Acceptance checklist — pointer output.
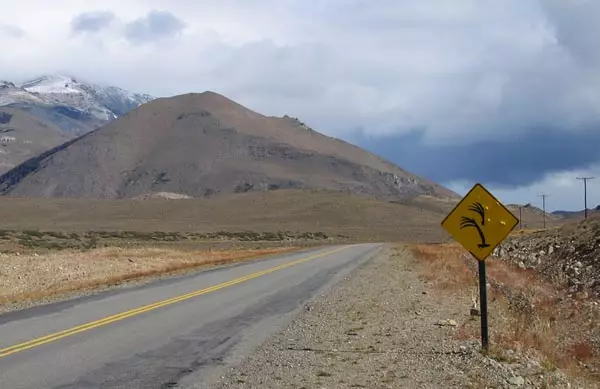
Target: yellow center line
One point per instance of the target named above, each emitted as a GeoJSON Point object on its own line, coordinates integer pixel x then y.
{"type": "Point", "coordinates": [150, 307]}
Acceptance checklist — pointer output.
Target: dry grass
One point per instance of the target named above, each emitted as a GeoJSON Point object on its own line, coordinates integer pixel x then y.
{"type": "Point", "coordinates": [526, 314]}
{"type": "Point", "coordinates": [359, 218]}
{"type": "Point", "coordinates": [34, 277]}
{"type": "Point", "coordinates": [528, 231]}
{"type": "Point", "coordinates": [445, 274]}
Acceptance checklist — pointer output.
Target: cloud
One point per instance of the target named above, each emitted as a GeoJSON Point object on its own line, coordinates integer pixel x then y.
{"type": "Point", "coordinates": [156, 25]}
{"type": "Point", "coordinates": [564, 191]}
{"type": "Point", "coordinates": [430, 84]}
{"type": "Point", "coordinates": [576, 28]}
{"type": "Point", "coordinates": [525, 160]}
{"type": "Point", "coordinates": [92, 21]}
{"type": "Point", "coordinates": [12, 31]}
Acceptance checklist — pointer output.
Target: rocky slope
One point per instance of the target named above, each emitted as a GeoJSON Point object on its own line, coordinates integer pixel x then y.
{"type": "Point", "coordinates": [568, 256]}
{"type": "Point", "coordinates": [204, 144]}
{"type": "Point", "coordinates": [45, 112]}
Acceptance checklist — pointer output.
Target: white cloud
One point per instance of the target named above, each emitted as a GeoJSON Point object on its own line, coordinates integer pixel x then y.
{"type": "Point", "coordinates": [461, 71]}
{"type": "Point", "coordinates": [11, 31]}
{"type": "Point", "coordinates": [93, 21]}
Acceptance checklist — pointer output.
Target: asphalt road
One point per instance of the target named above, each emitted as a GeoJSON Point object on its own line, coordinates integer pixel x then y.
{"type": "Point", "coordinates": [174, 333]}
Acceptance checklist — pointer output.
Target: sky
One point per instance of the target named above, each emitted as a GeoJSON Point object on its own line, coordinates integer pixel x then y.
{"type": "Point", "coordinates": [505, 93]}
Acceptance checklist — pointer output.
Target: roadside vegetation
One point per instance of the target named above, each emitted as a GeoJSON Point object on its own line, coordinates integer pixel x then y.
{"type": "Point", "coordinates": [529, 317]}
{"type": "Point", "coordinates": [18, 241]}
{"type": "Point", "coordinates": [39, 266]}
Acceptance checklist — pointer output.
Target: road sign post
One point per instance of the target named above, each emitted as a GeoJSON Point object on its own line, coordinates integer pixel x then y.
{"type": "Point", "coordinates": [479, 222]}
{"type": "Point", "coordinates": [483, 306]}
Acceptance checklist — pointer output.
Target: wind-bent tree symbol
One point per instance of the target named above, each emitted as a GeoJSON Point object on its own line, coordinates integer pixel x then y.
{"type": "Point", "coordinates": [466, 222]}
{"type": "Point", "coordinates": [478, 208]}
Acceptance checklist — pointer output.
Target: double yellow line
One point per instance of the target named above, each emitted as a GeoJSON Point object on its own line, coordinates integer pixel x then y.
{"type": "Point", "coordinates": [147, 308]}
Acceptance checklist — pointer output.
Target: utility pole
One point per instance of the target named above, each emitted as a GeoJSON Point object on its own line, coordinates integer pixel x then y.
{"type": "Point", "coordinates": [585, 180]}
{"type": "Point", "coordinates": [543, 196]}
{"type": "Point", "coordinates": [520, 218]}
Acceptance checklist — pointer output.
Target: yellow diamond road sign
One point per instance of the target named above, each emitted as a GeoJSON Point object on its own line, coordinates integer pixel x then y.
{"type": "Point", "coordinates": [479, 222]}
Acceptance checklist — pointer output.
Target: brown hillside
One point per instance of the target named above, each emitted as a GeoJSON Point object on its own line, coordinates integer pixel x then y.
{"type": "Point", "coordinates": [203, 144]}
{"type": "Point", "coordinates": [24, 136]}
{"type": "Point", "coordinates": [532, 218]}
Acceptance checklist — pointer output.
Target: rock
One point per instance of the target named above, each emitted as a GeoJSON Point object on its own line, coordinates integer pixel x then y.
{"type": "Point", "coordinates": [516, 381]}
{"type": "Point", "coordinates": [446, 323]}
{"type": "Point", "coordinates": [550, 249]}
{"type": "Point", "coordinates": [578, 264]}
{"type": "Point", "coordinates": [542, 252]}
{"type": "Point", "coordinates": [521, 265]}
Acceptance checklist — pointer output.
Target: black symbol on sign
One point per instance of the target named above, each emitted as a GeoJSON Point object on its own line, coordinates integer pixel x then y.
{"type": "Point", "coordinates": [478, 208]}
{"type": "Point", "coordinates": [466, 222]}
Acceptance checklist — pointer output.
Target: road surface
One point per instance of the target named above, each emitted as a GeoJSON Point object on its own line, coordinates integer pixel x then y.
{"type": "Point", "coordinates": [174, 333]}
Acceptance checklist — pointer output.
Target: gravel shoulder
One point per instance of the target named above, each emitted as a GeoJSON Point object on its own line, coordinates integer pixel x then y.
{"type": "Point", "coordinates": [386, 326]}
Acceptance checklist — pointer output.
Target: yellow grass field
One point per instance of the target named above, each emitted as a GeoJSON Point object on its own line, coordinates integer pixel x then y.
{"type": "Point", "coordinates": [35, 276]}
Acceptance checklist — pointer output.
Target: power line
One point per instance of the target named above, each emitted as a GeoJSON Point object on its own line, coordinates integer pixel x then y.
{"type": "Point", "coordinates": [585, 180]}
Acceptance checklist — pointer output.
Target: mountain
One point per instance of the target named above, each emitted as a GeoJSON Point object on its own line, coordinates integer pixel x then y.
{"type": "Point", "coordinates": [71, 97]}
{"type": "Point", "coordinates": [532, 217]}
{"type": "Point", "coordinates": [204, 144]}
{"type": "Point", "coordinates": [39, 114]}
{"type": "Point", "coordinates": [577, 214]}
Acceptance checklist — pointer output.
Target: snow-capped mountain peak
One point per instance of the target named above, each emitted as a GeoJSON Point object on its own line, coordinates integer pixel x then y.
{"type": "Point", "coordinates": [41, 113]}
{"type": "Point", "coordinates": [101, 102]}
{"type": "Point", "coordinates": [6, 85]}
{"type": "Point", "coordinates": [52, 84]}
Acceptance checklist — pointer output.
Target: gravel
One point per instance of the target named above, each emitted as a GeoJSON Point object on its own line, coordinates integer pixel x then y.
{"type": "Point", "coordinates": [385, 327]}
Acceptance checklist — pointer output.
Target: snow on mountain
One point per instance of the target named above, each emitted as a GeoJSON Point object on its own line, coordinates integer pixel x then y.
{"type": "Point", "coordinates": [52, 85]}
{"type": "Point", "coordinates": [11, 94]}
{"type": "Point", "coordinates": [102, 102]}
{"type": "Point", "coordinates": [6, 84]}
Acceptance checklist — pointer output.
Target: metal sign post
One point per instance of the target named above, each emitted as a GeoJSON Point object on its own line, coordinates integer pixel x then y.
{"type": "Point", "coordinates": [483, 306]}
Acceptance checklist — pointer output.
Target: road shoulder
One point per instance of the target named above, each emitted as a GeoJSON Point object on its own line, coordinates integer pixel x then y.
{"type": "Point", "coordinates": [384, 327]}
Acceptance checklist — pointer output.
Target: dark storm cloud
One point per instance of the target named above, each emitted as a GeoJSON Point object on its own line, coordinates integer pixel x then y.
{"type": "Point", "coordinates": [156, 25]}
{"type": "Point", "coordinates": [521, 162]}
{"type": "Point", "coordinates": [92, 21]}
